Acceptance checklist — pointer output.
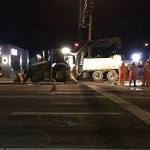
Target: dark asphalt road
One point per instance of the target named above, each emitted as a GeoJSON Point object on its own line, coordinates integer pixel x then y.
{"type": "Point", "coordinates": [86, 115]}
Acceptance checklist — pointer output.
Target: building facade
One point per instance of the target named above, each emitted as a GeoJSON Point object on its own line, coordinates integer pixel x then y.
{"type": "Point", "coordinates": [12, 60]}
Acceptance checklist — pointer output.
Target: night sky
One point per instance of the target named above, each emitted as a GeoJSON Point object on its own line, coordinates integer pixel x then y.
{"type": "Point", "coordinates": [40, 24]}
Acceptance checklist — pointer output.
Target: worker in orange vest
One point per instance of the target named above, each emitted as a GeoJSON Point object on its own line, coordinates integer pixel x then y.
{"type": "Point", "coordinates": [122, 74]}
{"type": "Point", "coordinates": [132, 73]}
{"type": "Point", "coordinates": [146, 73]}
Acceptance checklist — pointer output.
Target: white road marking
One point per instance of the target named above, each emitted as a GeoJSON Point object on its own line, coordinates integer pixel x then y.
{"type": "Point", "coordinates": [136, 97]}
{"type": "Point", "coordinates": [55, 96]}
{"type": "Point", "coordinates": [47, 90]}
{"type": "Point", "coordinates": [65, 113]}
{"type": "Point", "coordinates": [145, 93]}
{"type": "Point", "coordinates": [135, 110]}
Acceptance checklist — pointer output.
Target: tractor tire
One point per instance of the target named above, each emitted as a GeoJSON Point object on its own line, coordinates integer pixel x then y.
{"type": "Point", "coordinates": [112, 76]}
{"type": "Point", "coordinates": [97, 76]}
{"type": "Point", "coordinates": [61, 74]}
{"type": "Point", "coordinates": [36, 76]}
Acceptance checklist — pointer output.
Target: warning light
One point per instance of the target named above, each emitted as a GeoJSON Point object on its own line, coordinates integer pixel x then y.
{"type": "Point", "coordinates": [76, 44]}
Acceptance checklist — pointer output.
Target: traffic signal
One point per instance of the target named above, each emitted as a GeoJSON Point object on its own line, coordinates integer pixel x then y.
{"type": "Point", "coordinates": [76, 45]}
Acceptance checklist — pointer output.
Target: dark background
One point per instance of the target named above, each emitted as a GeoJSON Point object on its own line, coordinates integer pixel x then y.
{"type": "Point", "coordinates": [40, 24]}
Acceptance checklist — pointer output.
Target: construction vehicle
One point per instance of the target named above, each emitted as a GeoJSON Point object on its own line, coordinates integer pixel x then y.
{"type": "Point", "coordinates": [54, 68]}
{"type": "Point", "coordinates": [99, 66]}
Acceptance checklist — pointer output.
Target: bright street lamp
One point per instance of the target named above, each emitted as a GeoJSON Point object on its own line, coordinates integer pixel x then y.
{"type": "Point", "coordinates": [65, 50]}
{"type": "Point", "coordinates": [136, 57]}
{"type": "Point", "coordinates": [146, 44]}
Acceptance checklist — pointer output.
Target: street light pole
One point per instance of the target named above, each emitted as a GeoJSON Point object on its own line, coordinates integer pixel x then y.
{"type": "Point", "coordinates": [90, 33]}
{"type": "Point", "coordinates": [86, 18]}
{"type": "Point", "coordinates": [90, 28]}
{"type": "Point", "coordinates": [43, 55]}
{"type": "Point", "coordinates": [50, 59]}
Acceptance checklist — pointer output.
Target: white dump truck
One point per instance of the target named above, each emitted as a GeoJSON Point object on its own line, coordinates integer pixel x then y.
{"type": "Point", "coordinates": [103, 67]}
{"type": "Point", "coordinates": [97, 67]}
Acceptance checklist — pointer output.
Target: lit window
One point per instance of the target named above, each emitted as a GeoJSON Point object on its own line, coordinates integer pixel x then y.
{"type": "Point", "coordinates": [14, 52]}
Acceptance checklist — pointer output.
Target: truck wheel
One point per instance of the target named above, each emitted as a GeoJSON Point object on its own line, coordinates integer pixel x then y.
{"type": "Point", "coordinates": [112, 76]}
{"type": "Point", "coordinates": [61, 74]}
{"type": "Point", "coordinates": [97, 76]}
{"type": "Point", "coordinates": [36, 77]}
